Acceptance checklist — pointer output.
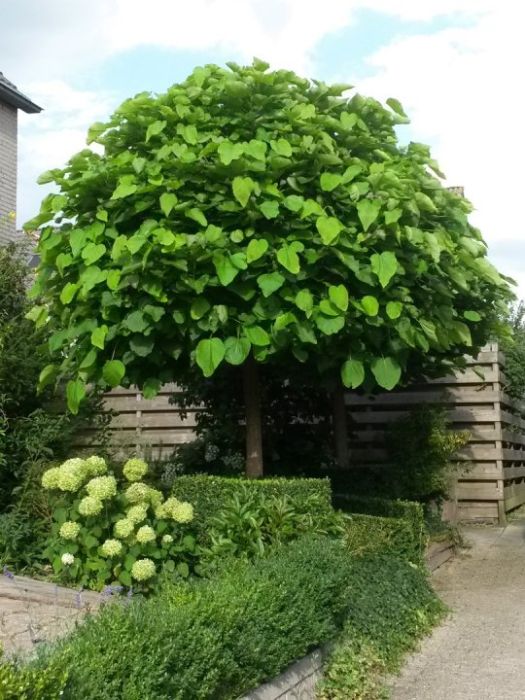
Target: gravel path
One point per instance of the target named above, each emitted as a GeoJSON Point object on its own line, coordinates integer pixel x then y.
{"type": "Point", "coordinates": [479, 652]}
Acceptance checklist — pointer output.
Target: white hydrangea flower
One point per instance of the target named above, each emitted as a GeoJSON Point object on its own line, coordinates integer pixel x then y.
{"type": "Point", "coordinates": [137, 514]}
{"type": "Point", "coordinates": [50, 478]}
{"type": "Point", "coordinates": [145, 534]}
{"type": "Point", "coordinates": [167, 539]}
{"type": "Point", "coordinates": [69, 530]}
{"type": "Point", "coordinates": [102, 487]}
{"type": "Point", "coordinates": [135, 469]}
{"type": "Point", "coordinates": [124, 528]}
{"type": "Point", "coordinates": [143, 569]}
{"type": "Point", "coordinates": [96, 466]}
{"type": "Point", "coordinates": [111, 548]}
{"type": "Point", "coordinates": [90, 505]}
{"type": "Point", "coordinates": [137, 492]}
{"type": "Point", "coordinates": [67, 559]}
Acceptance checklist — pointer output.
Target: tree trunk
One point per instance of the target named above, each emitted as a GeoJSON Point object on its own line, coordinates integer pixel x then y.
{"type": "Point", "coordinates": [252, 403]}
{"type": "Point", "coordinates": [340, 425]}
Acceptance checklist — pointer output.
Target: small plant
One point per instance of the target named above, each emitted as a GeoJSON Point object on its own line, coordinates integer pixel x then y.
{"type": "Point", "coordinates": [115, 529]}
{"type": "Point", "coordinates": [250, 522]}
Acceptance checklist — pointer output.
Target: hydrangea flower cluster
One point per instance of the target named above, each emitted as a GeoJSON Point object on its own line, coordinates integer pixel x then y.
{"type": "Point", "coordinates": [143, 569]}
{"type": "Point", "coordinates": [69, 530]}
{"type": "Point", "coordinates": [112, 520]}
{"type": "Point", "coordinates": [102, 487]}
{"type": "Point", "coordinates": [135, 469]}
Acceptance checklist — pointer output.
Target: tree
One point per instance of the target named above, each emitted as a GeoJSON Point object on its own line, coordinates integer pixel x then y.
{"type": "Point", "coordinates": [248, 216]}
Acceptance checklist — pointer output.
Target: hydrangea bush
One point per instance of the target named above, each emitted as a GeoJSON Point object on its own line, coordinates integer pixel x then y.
{"type": "Point", "coordinates": [114, 528]}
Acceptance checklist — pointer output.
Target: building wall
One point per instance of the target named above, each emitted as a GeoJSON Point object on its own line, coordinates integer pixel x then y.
{"type": "Point", "coordinates": [8, 174]}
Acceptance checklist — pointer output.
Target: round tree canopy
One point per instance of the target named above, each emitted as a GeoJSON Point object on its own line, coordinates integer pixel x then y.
{"type": "Point", "coordinates": [248, 212]}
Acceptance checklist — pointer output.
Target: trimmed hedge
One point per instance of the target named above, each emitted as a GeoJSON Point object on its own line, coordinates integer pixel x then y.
{"type": "Point", "coordinates": [209, 494]}
{"type": "Point", "coordinates": [408, 511]}
{"type": "Point", "coordinates": [212, 639]}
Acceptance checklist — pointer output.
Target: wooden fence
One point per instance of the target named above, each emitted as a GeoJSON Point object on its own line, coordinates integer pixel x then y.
{"type": "Point", "coordinates": [491, 478]}
{"type": "Point", "coordinates": [491, 474]}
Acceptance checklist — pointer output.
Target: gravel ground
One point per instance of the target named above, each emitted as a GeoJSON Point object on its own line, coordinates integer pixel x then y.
{"type": "Point", "coordinates": [479, 652]}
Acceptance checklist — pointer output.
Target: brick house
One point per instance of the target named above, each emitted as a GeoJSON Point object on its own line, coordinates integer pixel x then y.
{"type": "Point", "coordinates": [11, 100]}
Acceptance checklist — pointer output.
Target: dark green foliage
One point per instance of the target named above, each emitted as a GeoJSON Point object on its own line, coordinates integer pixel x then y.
{"type": "Point", "coordinates": [391, 605]}
{"type": "Point", "coordinates": [22, 683]}
{"type": "Point", "coordinates": [514, 350]}
{"type": "Point", "coordinates": [209, 494]}
{"type": "Point", "coordinates": [421, 448]}
{"type": "Point", "coordinates": [214, 639]}
{"type": "Point", "coordinates": [32, 427]}
{"type": "Point", "coordinates": [251, 521]}
{"type": "Point", "coordinates": [410, 512]}
{"type": "Point", "coordinates": [296, 418]}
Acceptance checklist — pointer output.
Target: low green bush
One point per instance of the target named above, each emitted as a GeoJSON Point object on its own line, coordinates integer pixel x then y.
{"type": "Point", "coordinates": [22, 683]}
{"type": "Point", "coordinates": [210, 494]}
{"type": "Point", "coordinates": [410, 512]}
{"type": "Point", "coordinates": [214, 639]}
{"type": "Point", "coordinates": [371, 533]}
{"type": "Point", "coordinates": [391, 606]}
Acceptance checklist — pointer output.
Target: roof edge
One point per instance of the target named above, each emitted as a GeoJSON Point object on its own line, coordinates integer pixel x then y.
{"type": "Point", "coordinates": [16, 99]}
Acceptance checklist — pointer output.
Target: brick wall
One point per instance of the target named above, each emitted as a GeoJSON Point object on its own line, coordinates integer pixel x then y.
{"type": "Point", "coordinates": [8, 158]}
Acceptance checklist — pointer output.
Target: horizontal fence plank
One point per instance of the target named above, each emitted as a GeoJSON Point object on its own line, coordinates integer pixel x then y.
{"type": "Point", "coordinates": [479, 490]}
{"type": "Point", "coordinates": [481, 510]}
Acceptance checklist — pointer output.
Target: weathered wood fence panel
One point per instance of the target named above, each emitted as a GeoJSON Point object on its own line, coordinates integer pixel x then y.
{"type": "Point", "coordinates": [491, 480]}
{"type": "Point", "coordinates": [491, 474]}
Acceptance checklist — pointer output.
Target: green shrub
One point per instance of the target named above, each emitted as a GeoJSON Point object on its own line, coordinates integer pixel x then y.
{"type": "Point", "coordinates": [209, 494]}
{"type": "Point", "coordinates": [410, 512]}
{"type": "Point", "coordinates": [213, 639]}
{"type": "Point", "coordinates": [251, 521]}
{"type": "Point", "coordinates": [115, 529]}
{"type": "Point", "coordinates": [371, 533]}
{"type": "Point", "coordinates": [22, 683]}
{"type": "Point", "coordinates": [391, 605]}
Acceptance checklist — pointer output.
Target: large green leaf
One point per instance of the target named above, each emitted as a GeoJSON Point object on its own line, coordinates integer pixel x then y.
{"type": "Point", "coordinates": [242, 188]}
{"type": "Point", "coordinates": [197, 215]}
{"type": "Point", "coordinates": [141, 345]}
{"type": "Point", "coordinates": [368, 211]}
{"type": "Point", "coordinates": [270, 209]}
{"type": "Point", "coordinates": [236, 350]}
{"type": "Point", "coordinates": [209, 355]}
{"type": "Point", "coordinates": [339, 296]}
{"type": "Point", "coordinates": [329, 181]}
{"type": "Point", "coordinates": [199, 308]}
{"type": "Point", "coordinates": [329, 325]}
{"type": "Point", "coordinates": [167, 201]}
{"type": "Point", "coordinates": [304, 301]}
{"type": "Point", "coordinates": [394, 309]}
{"type": "Point", "coordinates": [386, 371]}
{"type": "Point", "coordinates": [136, 322]}
{"type": "Point", "coordinates": [370, 305]}
{"type": "Point", "coordinates": [155, 128]}
{"type": "Point", "coordinates": [472, 316]}
{"type": "Point", "coordinates": [353, 373]}
{"type": "Point", "coordinates": [68, 292]}
{"type": "Point", "coordinates": [151, 388]}
{"type": "Point", "coordinates": [288, 258]}
{"type": "Point", "coordinates": [257, 247]}
{"type": "Point", "coordinates": [226, 270]}
{"type": "Point", "coordinates": [270, 282]}
{"type": "Point", "coordinates": [229, 151]}
{"type": "Point", "coordinates": [257, 335]}
{"type": "Point", "coordinates": [329, 228]}
{"type": "Point", "coordinates": [384, 266]}
{"type": "Point", "coordinates": [98, 336]}
{"type": "Point", "coordinates": [93, 252]}
{"type": "Point", "coordinates": [113, 372]}
{"type": "Point", "coordinates": [75, 392]}
{"type": "Point", "coordinates": [126, 187]}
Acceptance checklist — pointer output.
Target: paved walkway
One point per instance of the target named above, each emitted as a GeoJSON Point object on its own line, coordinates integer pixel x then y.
{"type": "Point", "coordinates": [479, 652]}
{"type": "Point", "coordinates": [33, 611]}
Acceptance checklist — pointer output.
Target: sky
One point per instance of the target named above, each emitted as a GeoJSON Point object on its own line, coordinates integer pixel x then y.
{"type": "Point", "coordinates": [456, 65]}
